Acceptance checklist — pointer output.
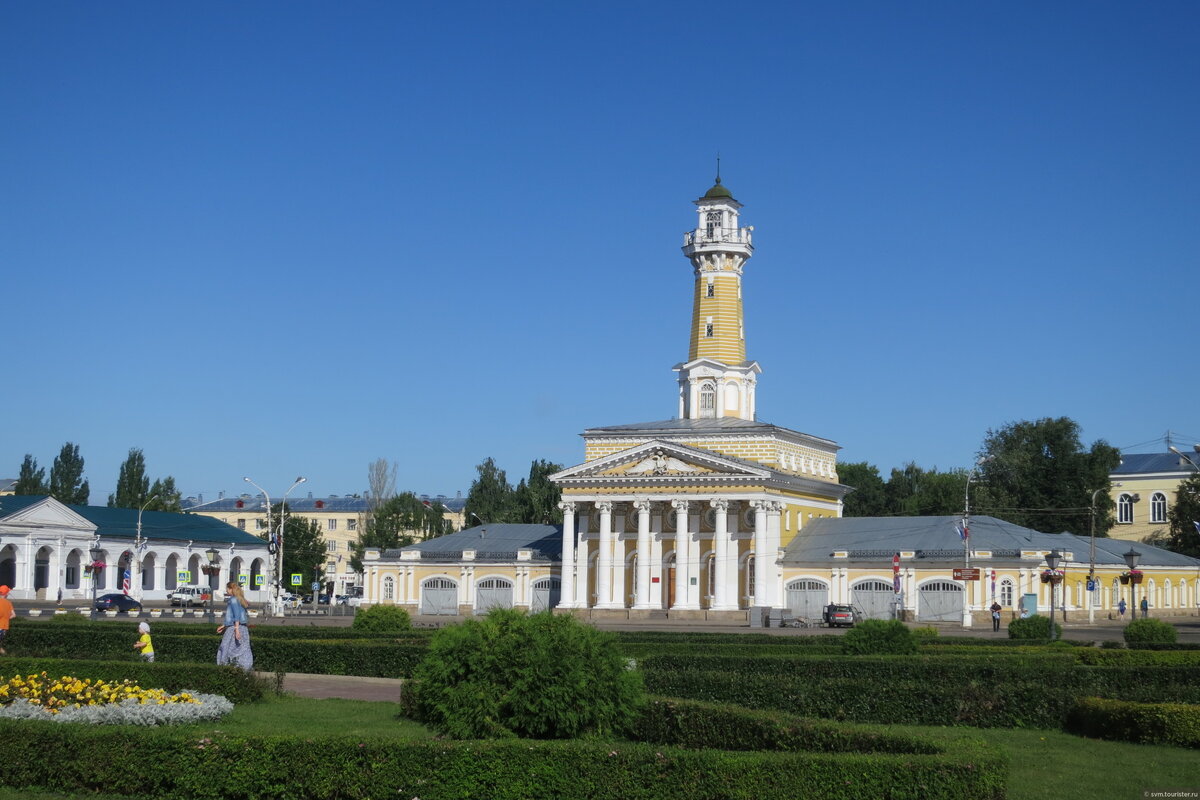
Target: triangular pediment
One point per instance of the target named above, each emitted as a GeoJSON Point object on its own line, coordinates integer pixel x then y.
{"type": "Point", "coordinates": [656, 460]}
{"type": "Point", "coordinates": [48, 513]}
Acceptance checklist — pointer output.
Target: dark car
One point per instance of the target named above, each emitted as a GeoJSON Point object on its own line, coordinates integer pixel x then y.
{"type": "Point", "coordinates": [837, 615]}
{"type": "Point", "coordinates": [117, 602]}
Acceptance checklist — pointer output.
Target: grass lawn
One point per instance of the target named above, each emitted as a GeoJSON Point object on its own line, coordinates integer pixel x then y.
{"type": "Point", "coordinates": [275, 715]}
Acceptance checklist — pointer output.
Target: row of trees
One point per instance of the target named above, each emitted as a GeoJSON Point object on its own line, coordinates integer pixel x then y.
{"type": "Point", "coordinates": [493, 499]}
{"type": "Point", "coordinates": [1036, 474]}
{"type": "Point", "coordinates": [67, 484]}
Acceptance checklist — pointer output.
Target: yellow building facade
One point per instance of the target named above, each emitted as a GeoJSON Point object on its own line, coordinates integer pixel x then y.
{"type": "Point", "coordinates": [1145, 487]}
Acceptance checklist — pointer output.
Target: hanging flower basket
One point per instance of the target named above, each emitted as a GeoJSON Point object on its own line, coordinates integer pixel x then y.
{"type": "Point", "coordinates": [1124, 578]}
{"type": "Point", "coordinates": [97, 566]}
{"type": "Point", "coordinates": [1135, 577]}
{"type": "Point", "coordinates": [1052, 576]}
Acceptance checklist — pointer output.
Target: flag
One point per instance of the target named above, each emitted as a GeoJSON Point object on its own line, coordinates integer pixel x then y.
{"type": "Point", "coordinates": [125, 583]}
{"type": "Point", "coordinates": [964, 533]}
{"type": "Point", "coordinates": [273, 544]}
{"type": "Point", "coordinates": [1197, 524]}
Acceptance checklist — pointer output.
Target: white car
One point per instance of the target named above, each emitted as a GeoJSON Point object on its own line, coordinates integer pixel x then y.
{"type": "Point", "coordinates": [190, 596]}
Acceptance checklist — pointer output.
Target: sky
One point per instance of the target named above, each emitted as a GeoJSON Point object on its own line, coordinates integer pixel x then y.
{"type": "Point", "coordinates": [273, 239]}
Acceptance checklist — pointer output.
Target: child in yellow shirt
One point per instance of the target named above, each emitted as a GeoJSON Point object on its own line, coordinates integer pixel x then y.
{"type": "Point", "coordinates": [143, 643]}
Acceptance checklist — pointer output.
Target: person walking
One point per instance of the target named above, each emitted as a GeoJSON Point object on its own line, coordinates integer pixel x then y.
{"type": "Point", "coordinates": [235, 639]}
{"type": "Point", "coordinates": [996, 608]}
{"type": "Point", "coordinates": [143, 643]}
{"type": "Point", "coordinates": [1145, 607]}
{"type": "Point", "coordinates": [1121, 608]}
{"type": "Point", "coordinates": [7, 612]}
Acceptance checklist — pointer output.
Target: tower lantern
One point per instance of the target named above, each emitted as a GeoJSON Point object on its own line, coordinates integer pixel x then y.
{"type": "Point", "coordinates": [717, 380]}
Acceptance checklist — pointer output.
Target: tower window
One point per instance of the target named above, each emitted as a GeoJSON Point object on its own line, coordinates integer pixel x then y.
{"type": "Point", "coordinates": [708, 400]}
{"type": "Point", "coordinates": [712, 288]}
{"type": "Point", "coordinates": [708, 329]}
{"type": "Point", "coordinates": [712, 224]}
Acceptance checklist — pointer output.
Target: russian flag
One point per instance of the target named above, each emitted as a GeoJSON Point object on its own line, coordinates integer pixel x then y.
{"type": "Point", "coordinates": [1197, 524]}
{"type": "Point", "coordinates": [963, 532]}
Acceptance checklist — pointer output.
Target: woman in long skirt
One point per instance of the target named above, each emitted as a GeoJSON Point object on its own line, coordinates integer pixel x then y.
{"type": "Point", "coordinates": [235, 641]}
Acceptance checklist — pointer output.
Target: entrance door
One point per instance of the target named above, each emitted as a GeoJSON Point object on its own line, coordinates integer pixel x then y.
{"type": "Point", "coordinates": [670, 587]}
{"type": "Point", "coordinates": [874, 598]}
{"type": "Point", "coordinates": [493, 593]}
{"type": "Point", "coordinates": [940, 601]}
{"type": "Point", "coordinates": [439, 596]}
{"type": "Point", "coordinates": [807, 599]}
{"type": "Point", "coordinates": [545, 594]}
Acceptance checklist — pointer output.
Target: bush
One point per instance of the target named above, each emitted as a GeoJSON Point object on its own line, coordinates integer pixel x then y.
{"type": "Point", "coordinates": [1110, 644]}
{"type": "Point", "coordinates": [874, 637]}
{"type": "Point", "coordinates": [542, 676]}
{"type": "Point", "coordinates": [382, 619]}
{"type": "Point", "coordinates": [924, 634]}
{"type": "Point", "coordinates": [1035, 627]}
{"type": "Point", "coordinates": [1149, 631]}
{"type": "Point", "coordinates": [1143, 723]}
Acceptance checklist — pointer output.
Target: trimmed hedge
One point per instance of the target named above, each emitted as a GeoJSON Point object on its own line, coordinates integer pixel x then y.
{"type": "Point", "coordinates": [1142, 723]}
{"type": "Point", "coordinates": [236, 685]}
{"type": "Point", "coordinates": [1150, 631]}
{"type": "Point", "coordinates": [154, 763]}
{"type": "Point", "coordinates": [687, 723]}
{"type": "Point", "coordinates": [169, 625]}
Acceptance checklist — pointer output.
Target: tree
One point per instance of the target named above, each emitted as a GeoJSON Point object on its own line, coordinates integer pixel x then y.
{"type": "Point", "coordinates": [1183, 536]}
{"type": "Point", "coordinates": [1038, 474]}
{"type": "Point", "coordinates": [133, 487]}
{"type": "Point", "coordinates": [868, 498]}
{"type": "Point", "coordinates": [31, 480]}
{"type": "Point", "coordinates": [381, 482]}
{"type": "Point", "coordinates": [166, 496]}
{"type": "Point", "coordinates": [304, 549]}
{"type": "Point", "coordinates": [536, 500]}
{"type": "Point", "coordinates": [915, 491]}
{"type": "Point", "coordinates": [490, 498]}
{"type": "Point", "coordinates": [67, 484]}
{"type": "Point", "coordinates": [397, 523]}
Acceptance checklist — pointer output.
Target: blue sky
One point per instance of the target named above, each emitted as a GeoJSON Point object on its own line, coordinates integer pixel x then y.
{"type": "Point", "coordinates": [280, 239]}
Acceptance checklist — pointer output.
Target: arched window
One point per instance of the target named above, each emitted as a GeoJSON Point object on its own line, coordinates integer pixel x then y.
{"type": "Point", "coordinates": [711, 566]}
{"type": "Point", "coordinates": [750, 576]}
{"type": "Point", "coordinates": [1116, 593]}
{"type": "Point", "coordinates": [1167, 594]}
{"type": "Point", "coordinates": [1006, 593]}
{"type": "Point", "coordinates": [389, 588]}
{"type": "Point", "coordinates": [708, 400]}
{"type": "Point", "coordinates": [1158, 507]}
{"type": "Point", "coordinates": [1125, 509]}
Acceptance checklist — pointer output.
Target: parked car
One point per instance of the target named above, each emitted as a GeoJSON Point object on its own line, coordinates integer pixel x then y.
{"type": "Point", "coordinates": [838, 615]}
{"type": "Point", "coordinates": [190, 596]}
{"type": "Point", "coordinates": [120, 602]}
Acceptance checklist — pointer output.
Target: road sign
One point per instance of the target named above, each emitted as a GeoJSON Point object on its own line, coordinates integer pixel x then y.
{"type": "Point", "coordinates": [896, 564]}
{"type": "Point", "coordinates": [297, 579]}
{"type": "Point", "coordinates": [966, 574]}
{"type": "Point", "coordinates": [1091, 585]}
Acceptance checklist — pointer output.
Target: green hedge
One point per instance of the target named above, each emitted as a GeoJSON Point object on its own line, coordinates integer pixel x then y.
{"type": "Point", "coordinates": [260, 628]}
{"type": "Point", "coordinates": [238, 686]}
{"type": "Point", "coordinates": [1143, 723]}
{"type": "Point", "coordinates": [687, 723]}
{"type": "Point", "coordinates": [165, 763]}
{"type": "Point", "coordinates": [922, 691]}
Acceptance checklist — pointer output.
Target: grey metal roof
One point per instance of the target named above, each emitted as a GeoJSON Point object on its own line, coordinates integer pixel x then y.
{"type": "Point", "coordinates": [701, 426]}
{"type": "Point", "coordinates": [302, 505]}
{"type": "Point", "coordinates": [1136, 463]}
{"type": "Point", "coordinates": [935, 539]}
{"type": "Point", "coordinates": [498, 540]}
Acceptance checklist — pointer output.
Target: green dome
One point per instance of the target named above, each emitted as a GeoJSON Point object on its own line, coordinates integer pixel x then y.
{"type": "Point", "coordinates": [718, 191]}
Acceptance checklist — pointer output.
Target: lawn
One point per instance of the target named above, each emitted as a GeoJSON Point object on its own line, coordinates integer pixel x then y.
{"type": "Point", "coordinates": [277, 715]}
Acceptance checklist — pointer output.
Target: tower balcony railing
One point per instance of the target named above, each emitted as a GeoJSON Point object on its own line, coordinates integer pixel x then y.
{"type": "Point", "coordinates": [718, 236]}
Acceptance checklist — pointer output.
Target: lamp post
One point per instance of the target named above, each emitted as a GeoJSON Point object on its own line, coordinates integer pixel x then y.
{"type": "Point", "coordinates": [1131, 558]}
{"type": "Point", "coordinates": [1052, 560]}
{"type": "Point", "coordinates": [95, 553]}
{"type": "Point", "coordinates": [210, 569]}
{"type": "Point", "coordinates": [1092, 559]}
{"type": "Point", "coordinates": [279, 540]}
{"type": "Point", "coordinates": [137, 550]}
{"type": "Point", "coordinates": [966, 535]}
{"type": "Point", "coordinates": [1182, 455]}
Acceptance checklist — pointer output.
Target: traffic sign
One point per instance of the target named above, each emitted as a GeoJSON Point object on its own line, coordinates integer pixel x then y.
{"type": "Point", "coordinates": [966, 574]}
{"type": "Point", "coordinates": [297, 579]}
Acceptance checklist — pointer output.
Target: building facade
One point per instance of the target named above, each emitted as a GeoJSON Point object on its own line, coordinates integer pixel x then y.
{"type": "Point", "coordinates": [1144, 487]}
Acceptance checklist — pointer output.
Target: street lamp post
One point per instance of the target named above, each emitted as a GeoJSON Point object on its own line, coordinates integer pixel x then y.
{"type": "Point", "coordinates": [279, 539]}
{"type": "Point", "coordinates": [1092, 560]}
{"type": "Point", "coordinates": [211, 569]}
{"type": "Point", "coordinates": [1185, 457]}
{"type": "Point", "coordinates": [966, 536]}
{"type": "Point", "coordinates": [1052, 560]}
{"type": "Point", "coordinates": [95, 553]}
{"type": "Point", "coordinates": [137, 550]}
{"type": "Point", "coordinates": [1131, 558]}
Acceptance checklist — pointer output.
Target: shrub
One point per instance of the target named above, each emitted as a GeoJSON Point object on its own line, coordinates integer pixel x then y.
{"type": "Point", "coordinates": [924, 634]}
{"type": "Point", "coordinates": [382, 619]}
{"type": "Point", "coordinates": [1035, 627]}
{"type": "Point", "coordinates": [1110, 644]}
{"type": "Point", "coordinates": [1151, 631]}
{"type": "Point", "coordinates": [542, 676]}
{"type": "Point", "coordinates": [1145, 723]}
{"type": "Point", "coordinates": [879, 637]}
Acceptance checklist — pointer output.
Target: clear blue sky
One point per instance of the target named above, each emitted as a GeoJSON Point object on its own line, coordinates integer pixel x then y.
{"type": "Point", "coordinates": [289, 238]}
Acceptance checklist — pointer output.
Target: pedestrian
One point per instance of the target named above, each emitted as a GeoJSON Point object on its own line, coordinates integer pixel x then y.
{"type": "Point", "coordinates": [1121, 608]}
{"type": "Point", "coordinates": [143, 643]}
{"type": "Point", "coordinates": [1145, 606]}
{"type": "Point", "coordinates": [996, 609]}
{"type": "Point", "coordinates": [7, 612]}
{"type": "Point", "coordinates": [235, 640]}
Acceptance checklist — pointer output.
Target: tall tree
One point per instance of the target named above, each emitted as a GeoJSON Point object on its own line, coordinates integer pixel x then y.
{"type": "Point", "coordinates": [67, 484]}
{"type": "Point", "coordinates": [868, 498]}
{"type": "Point", "coordinates": [396, 523]}
{"type": "Point", "coordinates": [304, 550]}
{"type": "Point", "coordinates": [381, 483]}
{"type": "Point", "coordinates": [536, 499]}
{"type": "Point", "coordinates": [133, 487]}
{"type": "Point", "coordinates": [31, 480]}
{"type": "Point", "coordinates": [166, 496]}
{"type": "Point", "coordinates": [1182, 536]}
{"type": "Point", "coordinates": [490, 498]}
{"type": "Point", "coordinates": [1038, 474]}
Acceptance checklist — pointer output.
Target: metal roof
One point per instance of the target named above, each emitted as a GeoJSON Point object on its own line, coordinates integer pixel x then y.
{"type": "Point", "coordinates": [1136, 463]}
{"type": "Point", "coordinates": [122, 522]}
{"type": "Point", "coordinates": [935, 539]}
{"type": "Point", "coordinates": [708, 425]}
{"type": "Point", "coordinates": [303, 505]}
{"type": "Point", "coordinates": [494, 541]}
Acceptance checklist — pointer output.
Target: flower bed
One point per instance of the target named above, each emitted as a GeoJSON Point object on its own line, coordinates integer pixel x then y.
{"type": "Point", "coordinates": [69, 699]}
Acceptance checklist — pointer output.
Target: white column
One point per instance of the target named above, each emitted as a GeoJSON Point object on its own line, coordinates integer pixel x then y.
{"type": "Point", "coordinates": [643, 554]}
{"type": "Point", "coordinates": [762, 554]}
{"type": "Point", "coordinates": [581, 572]}
{"type": "Point", "coordinates": [721, 547]}
{"type": "Point", "coordinates": [567, 579]}
{"type": "Point", "coordinates": [604, 563]}
{"type": "Point", "coordinates": [774, 538]}
{"type": "Point", "coordinates": [682, 552]}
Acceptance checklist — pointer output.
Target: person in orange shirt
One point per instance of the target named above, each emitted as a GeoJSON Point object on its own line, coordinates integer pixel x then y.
{"type": "Point", "coordinates": [7, 612]}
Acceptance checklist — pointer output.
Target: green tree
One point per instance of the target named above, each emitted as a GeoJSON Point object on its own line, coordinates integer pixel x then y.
{"type": "Point", "coordinates": [915, 491]}
{"type": "Point", "coordinates": [304, 550]}
{"type": "Point", "coordinates": [1182, 535]}
{"type": "Point", "coordinates": [133, 487]}
{"type": "Point", "coordinates": [1039, 475]}
{"type": "Point", "coordinates": [31, 480]}
{"type": "Point", "coordinates": [166, 496]}
{"type": "Point", "coordinates": [536, 499]}
{"type": "Point", "coordinates": [67, 484]}
{"type": "Point", "coordinates": [868, 498]}
{"type": "Point", "coordinates": [490, 498]}
{"type": "Point", "coordinates": [397, 523]}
